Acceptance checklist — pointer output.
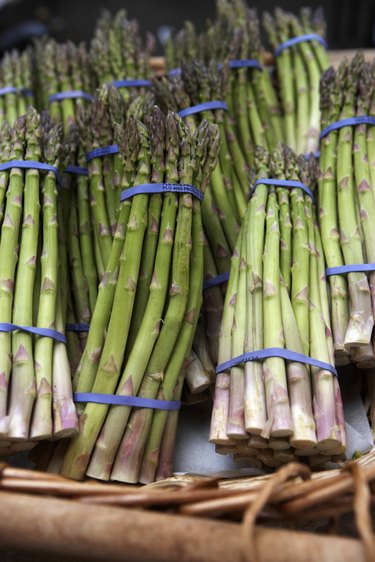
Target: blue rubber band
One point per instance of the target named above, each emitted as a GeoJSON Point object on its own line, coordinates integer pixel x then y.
{"type": "Point", "coordinates": [102, 151]}
{"type": "Point", "coordinates": [275, 352]}
{"type": "Point", "coordinates": [161, 188]}
{"type": "Point", "coordinates": [15, 90]}
{"type": "Point", "coordinates": [214, 281]}
{"type": "Point", "coordinates": [206, 106]}
{"type": "Point", "coordinates": [291, 184]}
{"type": "Point", "coordinates": [47, 332]}
{"type": "Point", "coordinates": [300, 39]}
{"type": "Point", "coordinates": [131, 83]}
{"type": "Point", "coordinates": [76, 170]}
{"type": "Point", "coordinates": [69, 95]}
{"type": "Point", "coordinates": [80, 327]}
{"type": "Point", "coordinates": [349, 122]}
{"type": "Point", "coordinates": [245, 63]}
{"type": "Point", "coordinates": [30, 165]}
{"type": "Point", "coordinates": [174, 71]}
{"type": "Point", "coordinates": [353, 268]}
{"type": "Point", "coordinates": [136, 401]}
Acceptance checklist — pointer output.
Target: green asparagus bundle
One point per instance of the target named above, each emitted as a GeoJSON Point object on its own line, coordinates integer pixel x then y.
{"type": "Point", "coordinates": [36, 394]}
{"type": "Point", "coordinates": [16, 84]}
{"type": "Point", "coordinates": [252, 96]}
{"type": "Point", "coordinates": [298, 67]}
{"type": "Point", "coordinates": [271, 405]}
{"type": "Point", "coordinates": [141, 334]}
{"type": "Point", "coordinates": [232, 40]}
{"type": "Point", "coordinates": [347, 206]}
{"type": "Point", "coordinates": [120, 56]}
{"type": "Point", "coordinates": [64, 80]}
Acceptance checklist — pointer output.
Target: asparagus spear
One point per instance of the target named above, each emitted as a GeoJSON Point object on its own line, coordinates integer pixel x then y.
{"type": "Point", "coordinates": [9, 256]}
{"type": "Point", "coordinates": [279, 422]}
{"type": "Point", "coordinates": [23, 387]}
{"type": "Point", "coordinates": [361, 317]}
{"type": "Point", "coordinates": [41, 426]}
{"type": "Point", "coordinates": [254, 397]}
{"type": "Point", "coordinates": [330, 104]}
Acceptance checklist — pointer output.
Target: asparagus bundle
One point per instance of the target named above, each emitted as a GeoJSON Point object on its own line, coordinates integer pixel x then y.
{"type": "Point", "coordinates": [271, 405]}
{"type": "Point", "coordinates": [16, 84]}
{"type": "Point", "coordinates": [298, 70]}
{"type": "Point", "coordinates": [140, 335]}
{"type": "Point", "coordinates": [36, 394]}
{"type": "Point", "coordinates": [119, 55]}
{"type": "Point", "coordinates": [234, 38]}
{"type": "Point", "coordinates": [347, 206]}
{"type": "Point", "coordinates": [64, 80]}
{"type": "Point", "coordinates": [251, 96]}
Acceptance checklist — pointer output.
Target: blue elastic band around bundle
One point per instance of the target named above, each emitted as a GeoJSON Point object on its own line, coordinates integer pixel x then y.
{"type": "Point", "coordinates": [349, 122]}
{"type": "Point", "coordinates": [30, 165]}
{"type": "Point", "coordinates": [291, 184]}
{"type": "Point", "coordinates": [275, 352]}
{"type": "Point", "coordinates": [69, 95]}
{"type": "Point", "coordinates": [15, 90]}
{"type": "Point", "coordinates": [205, 106]}
{"type": "Point", "coordinates": [80, 327]}
{"type": "Point", "coordinates": [300, 39]}
{"type": "Point", "coordinates": [136, 401]}
{"type": "Point", "coordinates": [47, 332]}
{"type": "Point", "coordinates": [131, 83]}
{"type": "Point", "coordinates": [151, 188]}
{"type": "Point", "coordinates": [214, 281]}
{"type": "Point", "coordinates": [353, 268]}
{"type": "Point", "coordinates": [76, 170]}
{"type": "Point", "coordinates": [102, 151]}
{"type": "Point", "coordinates": [245, 63]}
{"type": "Point", "coordinates": [174, 71]}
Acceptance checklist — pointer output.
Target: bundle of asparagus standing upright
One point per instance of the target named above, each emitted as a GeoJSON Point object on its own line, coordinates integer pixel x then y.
{"type": "Point", "coordinates": [140, 335]}
{"type": "Point", "coordinates": [270, 408]}
{"type": "Point", "coordinates": [64, 79]}
{"type": "Point", "coordinates": [119, 56]}
{"type": "Point", "coordinates": [232, 42]}
{"type": "Point", "coordinates": [347, 205]}
{"type": "Point", "coordinates": [17, 85]}
{"type": "Point", "coordinates": [298, 67]}
{"type": "Point", "coordinates": [36, 394]}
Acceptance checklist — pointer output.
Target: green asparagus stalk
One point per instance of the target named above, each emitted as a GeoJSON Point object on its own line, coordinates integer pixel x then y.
{"type": "Point", "coordinates": [254, 394]}
{"type": "Point", "coordinates": [279, 422]}
{"type": "Point", "coordinates": [328, 220]}
{"type": "Point", "coordinates": [218, 431]}
{"type": "Point", "coordinates": [42, 423]}
{"type": "Point", "coordinates": [23, 387]}
{"type": "Point", "coordinates": [361, 316]}
{"type": "Point", "coordinates": [9, 256]}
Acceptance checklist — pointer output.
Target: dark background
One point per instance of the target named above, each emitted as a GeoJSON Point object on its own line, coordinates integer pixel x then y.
{"type": "Point", "coordinates": [350, 23]}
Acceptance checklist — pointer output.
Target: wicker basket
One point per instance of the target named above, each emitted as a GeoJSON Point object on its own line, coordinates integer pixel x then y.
{"type": "Point", "coordinates": [40, 512]}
